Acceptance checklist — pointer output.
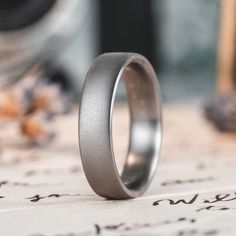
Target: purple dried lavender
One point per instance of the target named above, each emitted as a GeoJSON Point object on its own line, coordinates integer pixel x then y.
{"type": "Point", "coordinates": [221, 112]}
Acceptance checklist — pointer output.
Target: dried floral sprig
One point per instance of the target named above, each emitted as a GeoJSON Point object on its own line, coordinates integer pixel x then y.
{"type": "Point", "coordinates": [221, 112]}
{"type": "Point", "coordinates": [38, 127]}
{"type": "Point", "coordinates": [34, 103]}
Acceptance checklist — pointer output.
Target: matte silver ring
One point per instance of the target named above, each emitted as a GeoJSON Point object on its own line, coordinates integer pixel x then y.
{"type": "Point", "coordinates": [95, 125]}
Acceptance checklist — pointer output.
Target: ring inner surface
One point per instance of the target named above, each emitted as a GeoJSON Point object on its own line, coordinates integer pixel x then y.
{"type": "Point", "coordinates": [144, 140]}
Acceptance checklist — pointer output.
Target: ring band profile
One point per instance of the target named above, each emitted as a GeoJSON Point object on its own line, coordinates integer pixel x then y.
{"type": "Point", "coordinates": [95, 125]}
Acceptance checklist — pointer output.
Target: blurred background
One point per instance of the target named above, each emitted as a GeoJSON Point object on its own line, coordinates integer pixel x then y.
{"type": "Point", "coordinates": [46, 48]}
{"type": "Point", "coordinates": [180, 38]}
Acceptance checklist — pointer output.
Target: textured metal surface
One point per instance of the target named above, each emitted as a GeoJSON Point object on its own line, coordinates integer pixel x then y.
{"type": "Point", "coordinates": [95, 125]}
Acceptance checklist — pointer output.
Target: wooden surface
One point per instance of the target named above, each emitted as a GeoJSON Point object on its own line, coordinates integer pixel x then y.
{"type": "Point", "coordinates": [43, 191]}
{"type": "Point", "coordinates": [227, 49]}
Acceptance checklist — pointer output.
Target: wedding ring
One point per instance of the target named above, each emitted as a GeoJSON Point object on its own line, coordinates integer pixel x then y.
{"type": "Point", "coordinates": [95, 125]}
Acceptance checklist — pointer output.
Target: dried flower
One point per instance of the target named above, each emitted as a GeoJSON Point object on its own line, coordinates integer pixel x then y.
{"type": "Point", "coordinates": [34, 103]}
{"type": "Point", "coordinates": [37, 127]}
{"type": "Point", "coordinates": [222, 112]}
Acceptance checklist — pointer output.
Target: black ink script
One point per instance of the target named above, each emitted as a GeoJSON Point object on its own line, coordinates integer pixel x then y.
{"type": "Point", "coordinates": [37, 197]}
{"type": "Point", "coordinates": [180, 201]}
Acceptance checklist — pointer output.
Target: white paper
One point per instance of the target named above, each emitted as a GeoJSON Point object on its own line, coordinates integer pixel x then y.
{"type": "Point", "coordinates": [44, 192]}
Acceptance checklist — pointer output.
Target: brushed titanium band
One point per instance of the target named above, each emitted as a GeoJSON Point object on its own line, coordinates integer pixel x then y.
{"type": "Point", "coordinates": [95, 125]}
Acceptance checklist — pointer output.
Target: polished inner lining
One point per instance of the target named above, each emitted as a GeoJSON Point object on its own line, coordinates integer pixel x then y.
{"type": "Point", "coordinates": [144, 140]}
